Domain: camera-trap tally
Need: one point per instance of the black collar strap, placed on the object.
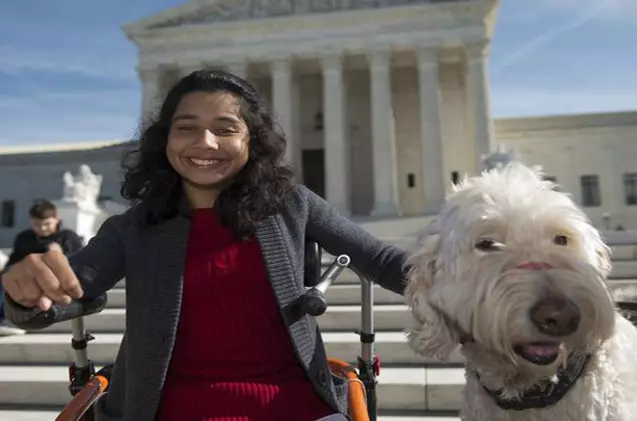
(535, 397)
(538, 397)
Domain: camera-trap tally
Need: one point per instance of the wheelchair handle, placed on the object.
(77, 308)
(314, 302)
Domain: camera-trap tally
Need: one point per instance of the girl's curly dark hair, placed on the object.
(257, 191)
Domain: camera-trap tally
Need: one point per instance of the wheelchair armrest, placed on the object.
(77, 308)
(312, 263)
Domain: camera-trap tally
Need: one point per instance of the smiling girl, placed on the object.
(212, 253)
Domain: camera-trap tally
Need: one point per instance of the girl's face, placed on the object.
(208, 144)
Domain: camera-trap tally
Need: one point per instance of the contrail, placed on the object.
(548, 36)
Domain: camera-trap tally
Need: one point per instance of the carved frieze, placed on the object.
(271, 8)
(238, 10)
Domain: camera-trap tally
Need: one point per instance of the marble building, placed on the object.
(390, 95)
(385, 104)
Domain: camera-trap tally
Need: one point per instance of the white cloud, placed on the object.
(581, 12)
(17, 61)
(588, 11)
(52, 116)
(40, 100)
(85, 128)
(607, 9)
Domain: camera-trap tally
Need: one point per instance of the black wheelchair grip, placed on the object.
(77, 308)
(314, 302)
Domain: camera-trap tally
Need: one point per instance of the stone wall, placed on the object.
(568, 147)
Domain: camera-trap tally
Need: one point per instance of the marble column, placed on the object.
(151, 89)
(282, 101)
(383, 135)
(478, 101)
(430, 130)
(337, 183)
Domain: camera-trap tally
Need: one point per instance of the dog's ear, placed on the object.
(604, 263)
(601, 249)
(429, 334)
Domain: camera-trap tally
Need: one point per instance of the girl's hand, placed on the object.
(42, 279)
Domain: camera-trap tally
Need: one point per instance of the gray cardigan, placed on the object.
(151, 259)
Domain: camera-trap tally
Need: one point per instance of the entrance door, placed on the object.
(314, 170)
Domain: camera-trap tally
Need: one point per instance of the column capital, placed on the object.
(379, 58)
(332, 62)
(428, 57)
(281, 65)
(477, 51)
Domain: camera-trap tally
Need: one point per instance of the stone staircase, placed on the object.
(33, 367)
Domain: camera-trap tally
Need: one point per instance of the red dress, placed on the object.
(233, 359)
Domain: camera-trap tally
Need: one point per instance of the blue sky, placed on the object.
(67, 70)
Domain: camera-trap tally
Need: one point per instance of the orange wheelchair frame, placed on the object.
(87, 387)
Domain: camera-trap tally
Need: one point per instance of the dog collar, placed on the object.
(538, 397)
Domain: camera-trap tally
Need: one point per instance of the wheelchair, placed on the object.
(87, 386)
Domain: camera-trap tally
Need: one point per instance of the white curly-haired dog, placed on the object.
(515, 273)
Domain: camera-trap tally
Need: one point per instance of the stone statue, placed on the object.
(4, 259)
(84, 188)
(69, 186)
(499, 158)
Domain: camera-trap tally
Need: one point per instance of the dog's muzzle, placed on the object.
(555, 316)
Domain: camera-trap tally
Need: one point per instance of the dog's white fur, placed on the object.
(455, 287)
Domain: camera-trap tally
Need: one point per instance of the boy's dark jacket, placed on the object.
(28, 242)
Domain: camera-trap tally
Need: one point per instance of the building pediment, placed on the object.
(203, 12)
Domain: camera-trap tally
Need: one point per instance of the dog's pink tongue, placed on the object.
(543, 350)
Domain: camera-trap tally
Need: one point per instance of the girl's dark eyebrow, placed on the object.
(223, 118)
(228, 118)
(184, 117)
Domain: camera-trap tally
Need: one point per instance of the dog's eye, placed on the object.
(487, 244)
(560, 240)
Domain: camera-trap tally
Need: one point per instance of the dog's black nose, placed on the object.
(555, 317)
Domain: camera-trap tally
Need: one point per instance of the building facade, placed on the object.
(383, 102)
(593, 157)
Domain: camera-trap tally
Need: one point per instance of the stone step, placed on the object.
(350, 294)
(343, 292)
(618, 251)
(336, 318)
(624, 290)
(406, 389)
(339, 294)
(28, 415)
(41, 415)
(347, 277)
(622, 271)
(55, 348)
(624, 252)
